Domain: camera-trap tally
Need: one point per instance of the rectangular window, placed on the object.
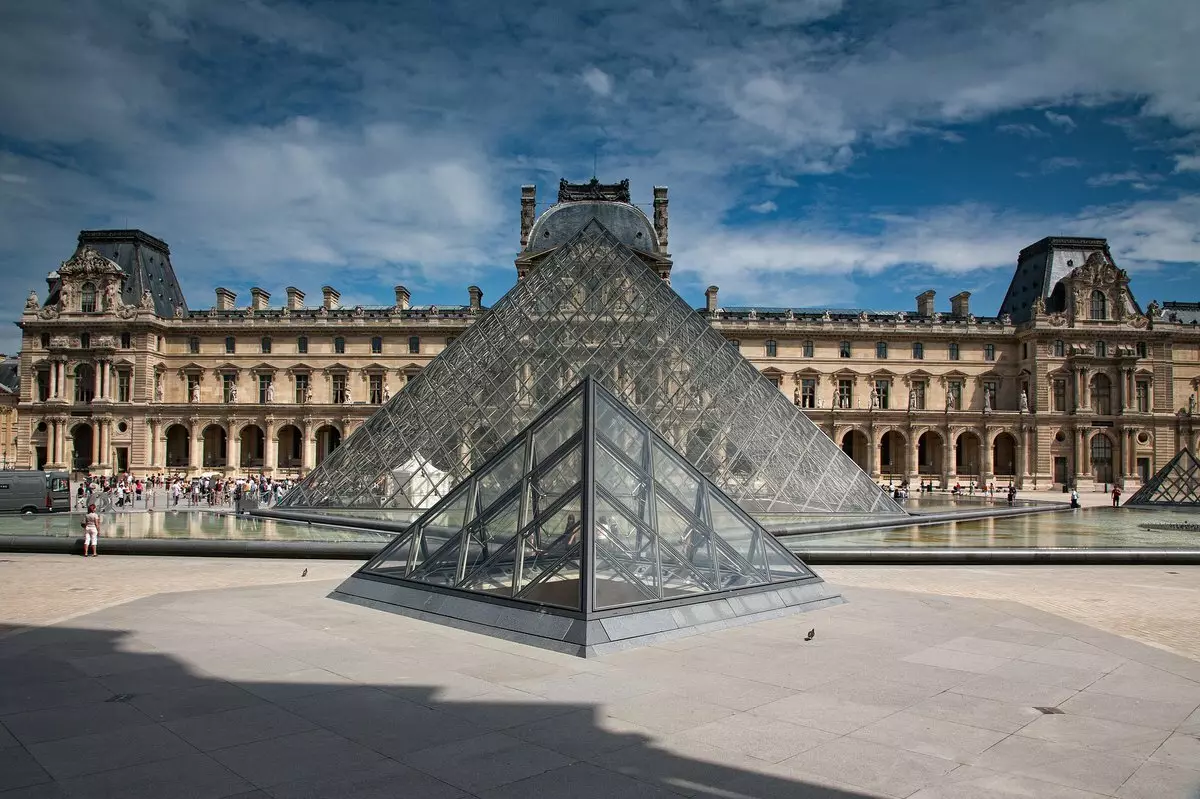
(917, 395)
(126, 341)
(808, 393)
(339, 389)
(845, 395)
(737, 345)
(881, 350)
(376, 389)
(953, 351)
(1101, 349)
(227, 388)
(376, 345)
(339, 345)
(194, 345)
(1060, 348)
(43, 385)
(124, 381)
(1060, 395)
(808, 349)
(193, 387)
(301, 388)
(776, 380)
(844, 349)
(989, 352)
(414, 345)
(918, 350)
(266, 345)
(1141, 349)
(954, 391)
(1143, 396)
(264, 385)
(1024, 349)
(302, 345)
(230, 345)
(882, 388)
(772, 348)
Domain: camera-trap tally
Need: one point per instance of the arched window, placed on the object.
(808, 348)
(772, 348)
(1099, 305)
(339, 345)
(87, 298)
(302, 345)
(376, 345)
(881, 350)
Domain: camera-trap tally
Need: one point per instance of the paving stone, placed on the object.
(27, 670)
(18, 769)
(887, 769)
(1015, 692)
(1161, 781)
(1091, 733)
(826, 713)
(318, 754)
(1144, 682)
(681, 764)
(1179, 750)
(384, 780)
(583, 733)
(116, 663)
(485, 762)
(1061, 764)
(1146, 712)
(305, 682)
(578, 781)
(979, 785)
(68, 722)
(1048, 674)
(668, 712)
(6, 738)
(988, 646)
(242, 725)
(193, 776)
(86, 754)
(976, 711)
(762, 737)
(953, 659)
(944, 739)
(1103, 662)
(26, 696)
(179, 704)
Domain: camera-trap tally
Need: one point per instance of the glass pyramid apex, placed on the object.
(1177, 483)
(593, 308)
(588, 515)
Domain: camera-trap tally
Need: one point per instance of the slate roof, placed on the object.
(146, 262)
(10, 380)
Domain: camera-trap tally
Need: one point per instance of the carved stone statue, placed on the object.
(902, 317)
(31, 302)
(874, 398)
(1006, 319)
(1153, 310)
(949, 400)
(862, 316)
(158, 389)
(233, 392)
(308, 396)
(1024, 402)
(825, 317)
(912, 400)
(1039, 305)
(387, 392)
(110, 297)
(147, 303)
(1191, 405)
(196, 392)
(796, 396)
(970, 319)
(347, 397)
(987, 400)
(270, 393)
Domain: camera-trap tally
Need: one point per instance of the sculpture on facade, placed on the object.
(233, 392)
(874, 398)
(949, 400)
(1024, 402)
(796, 396)
(1191, 405)
(196, 392)
(158, 389)
(912, 400)
(347, 397)
(1039, 305)
(987, 401)
(270, 393)
(1006, 319)
(147, 303)
(308, 396)
(110, 297)
(1154, 310)
(31, 302)
(387, 392)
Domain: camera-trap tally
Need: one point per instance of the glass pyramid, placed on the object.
(1177, 483)
(586, 511)
(593, 308)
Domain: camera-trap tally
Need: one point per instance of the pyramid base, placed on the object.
(570, 633)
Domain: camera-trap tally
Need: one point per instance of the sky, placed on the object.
(818, 152)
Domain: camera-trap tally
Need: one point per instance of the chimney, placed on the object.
(660, 215)
(225, 299)
(259, 299)
(330, 297)
(960, 305)
(710, 299)
(402, 298)
(925, 303)
(476, 297)
(528, 211)
(295, 298)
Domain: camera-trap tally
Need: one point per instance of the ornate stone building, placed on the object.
(1072, 381)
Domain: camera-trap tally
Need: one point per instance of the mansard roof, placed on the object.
(146, 262)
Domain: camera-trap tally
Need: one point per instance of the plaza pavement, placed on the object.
(273, 690)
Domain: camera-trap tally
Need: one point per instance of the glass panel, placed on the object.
(394, 559)
(557, 584)
(626, 559)
(625, 437)
(740, 535)
(492, 533)
(628, 487)
(781, 564)
(499, 478)
(676, 477)
(436, 557)
(558, 429)
(685, 570)
(558, 479)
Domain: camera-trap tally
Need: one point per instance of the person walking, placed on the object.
(91, 530)
(1074, 497)
(1116, 496)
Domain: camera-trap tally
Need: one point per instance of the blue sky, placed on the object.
(818, 152)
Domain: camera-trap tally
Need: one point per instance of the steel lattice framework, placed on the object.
(1177, 483)
(593, 309)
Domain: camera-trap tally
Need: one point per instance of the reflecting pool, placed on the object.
(201, 525)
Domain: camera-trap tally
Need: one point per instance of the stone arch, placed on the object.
(290, 443)
(1101, 451)
(1004, 455)
(253, 446)
(179, 446)
(968, 454)
(82, 453)
(892, 447)
(215, 446)
(854, 442)
(931, 453)
(328, 438)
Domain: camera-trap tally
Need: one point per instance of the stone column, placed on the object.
(873, 453)
(196, 452)
(233, 446)
(308, 447)
(1085, 454)
(53, 394)
(51, 442)
(97, 442)
(1021, 469)
(914, 466)
(270, 447)
(152, 444)
(986, 474)
(1122, 445)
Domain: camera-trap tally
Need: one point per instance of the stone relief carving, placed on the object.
(31, 302)
(1039, 305)
(1024, 401)
(147, 302)
(1006, 319)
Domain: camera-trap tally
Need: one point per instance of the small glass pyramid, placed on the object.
(586, 513)
(1177, 483)
(593, 308)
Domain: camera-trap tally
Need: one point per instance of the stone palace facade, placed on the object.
(1073, 381)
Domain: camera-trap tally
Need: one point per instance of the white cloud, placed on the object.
(1023, 129)
(765, 207)
(598, 81)
(1059, 163)
(1131, 177)
(1187, 163)
(1060, 120)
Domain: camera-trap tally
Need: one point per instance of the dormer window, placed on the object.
(87, 298)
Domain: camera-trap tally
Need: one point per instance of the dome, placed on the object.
(562, 221)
